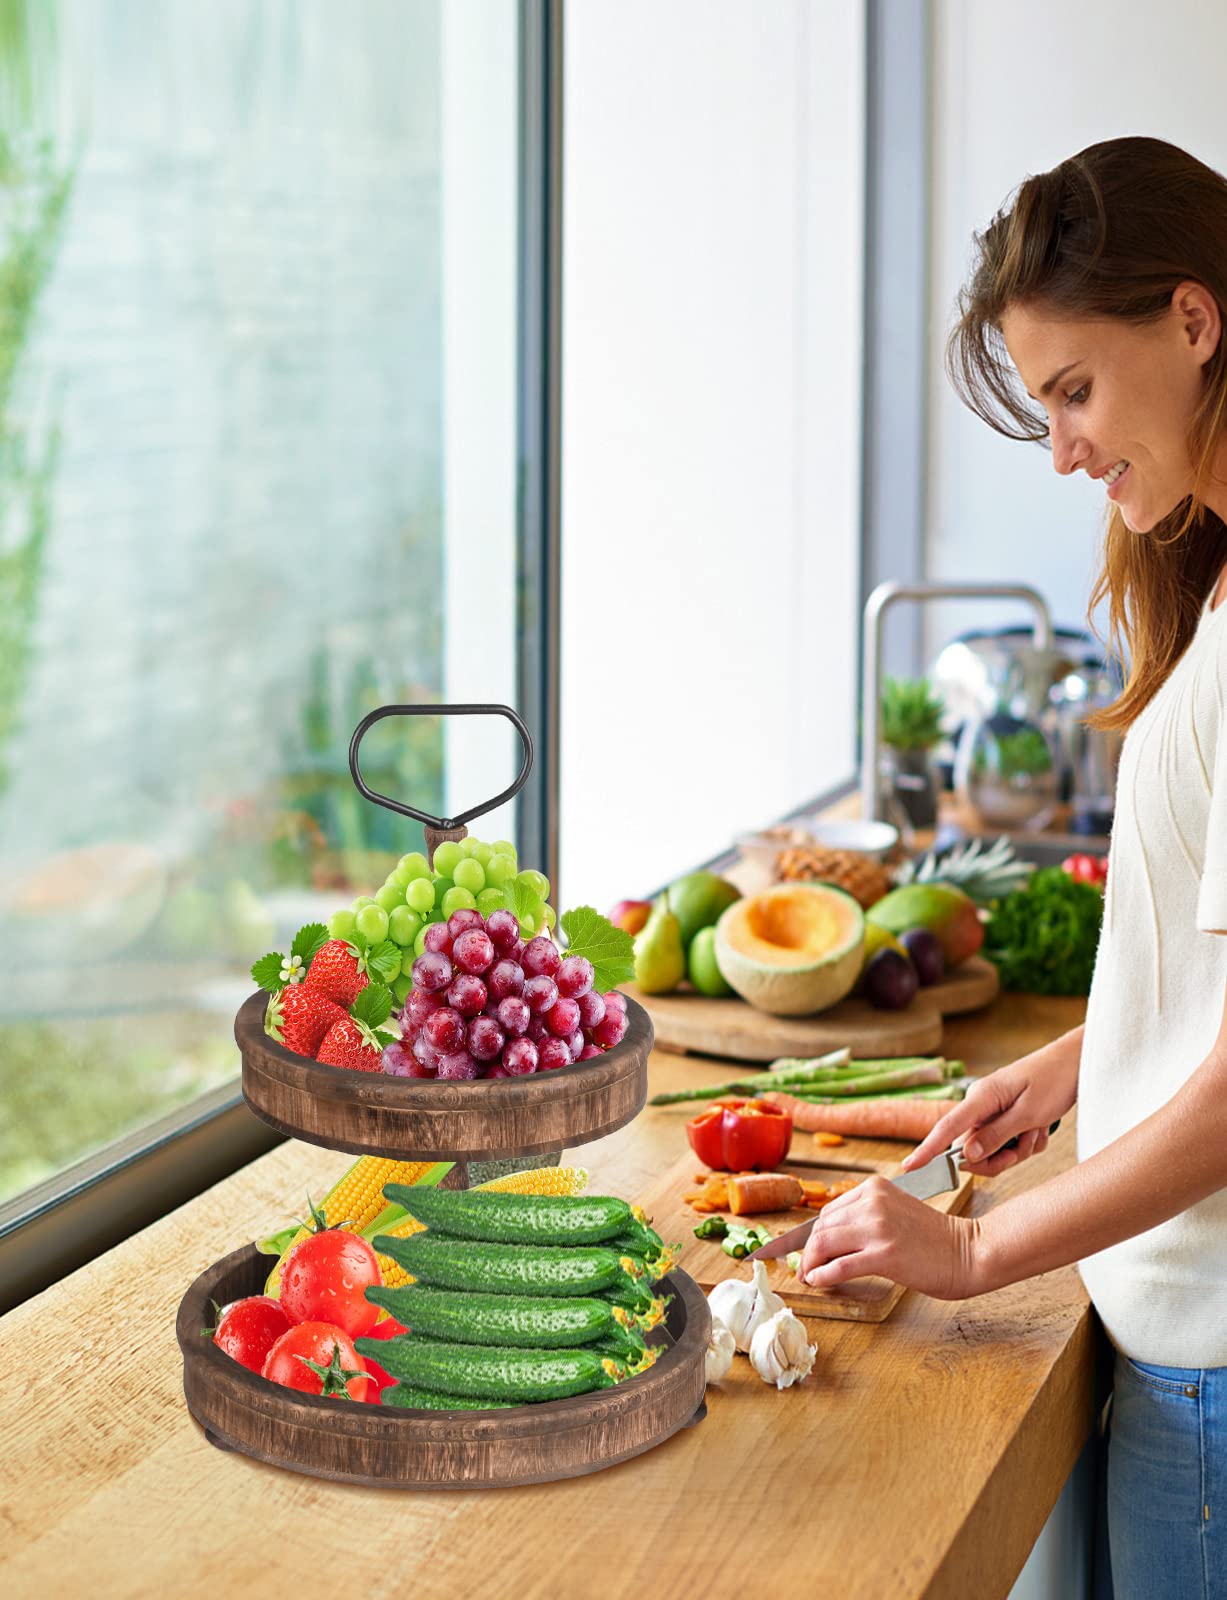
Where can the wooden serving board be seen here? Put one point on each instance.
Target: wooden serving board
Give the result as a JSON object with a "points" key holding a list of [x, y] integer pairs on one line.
{"points": [[973, 983], [862, 1300], [691, 1023]]}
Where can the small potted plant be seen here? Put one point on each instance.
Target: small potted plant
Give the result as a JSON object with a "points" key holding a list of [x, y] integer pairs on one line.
{"points": [[910, 729]]}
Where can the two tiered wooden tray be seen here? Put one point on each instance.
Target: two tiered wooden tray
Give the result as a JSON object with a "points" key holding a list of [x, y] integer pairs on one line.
{"points": [[421, 1119]]}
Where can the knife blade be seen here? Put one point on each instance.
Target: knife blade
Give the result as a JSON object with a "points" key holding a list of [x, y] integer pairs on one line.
{"points": [[935, 1177]]}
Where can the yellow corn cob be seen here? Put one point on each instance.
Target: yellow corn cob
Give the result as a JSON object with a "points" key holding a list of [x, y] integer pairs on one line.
{"points": [[541, 1180], [393, 1274], [355, 1200]]}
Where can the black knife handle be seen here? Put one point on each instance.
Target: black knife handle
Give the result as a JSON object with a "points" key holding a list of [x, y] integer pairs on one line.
{"points": [[1010, 1143]]}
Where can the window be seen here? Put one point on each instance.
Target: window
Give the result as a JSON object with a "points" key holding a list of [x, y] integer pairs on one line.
{"points": [[258, 456], [713, 246]]}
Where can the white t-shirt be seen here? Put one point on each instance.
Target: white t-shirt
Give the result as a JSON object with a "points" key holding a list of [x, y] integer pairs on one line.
{"points": [[1157, 999]]}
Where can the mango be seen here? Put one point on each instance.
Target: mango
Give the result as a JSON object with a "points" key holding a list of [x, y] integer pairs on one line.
{"points": [[940, 907], [697, 901]]}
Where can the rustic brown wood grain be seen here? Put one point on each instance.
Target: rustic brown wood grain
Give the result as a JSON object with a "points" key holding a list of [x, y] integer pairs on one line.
{"points": [[920, 1458], [696, 1024], [863, 1300], [382, 1447], [420, 1119], [732, 1030]]}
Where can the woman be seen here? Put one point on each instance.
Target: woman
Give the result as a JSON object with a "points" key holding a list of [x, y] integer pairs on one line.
{"points": [[1094, 318]]}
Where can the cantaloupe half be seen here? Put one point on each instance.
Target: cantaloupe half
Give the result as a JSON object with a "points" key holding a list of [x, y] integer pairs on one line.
{"points": [[793, 949]]}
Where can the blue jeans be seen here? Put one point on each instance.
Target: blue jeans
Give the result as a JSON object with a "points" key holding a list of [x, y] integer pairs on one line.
{"points": [[1167, 1482]]}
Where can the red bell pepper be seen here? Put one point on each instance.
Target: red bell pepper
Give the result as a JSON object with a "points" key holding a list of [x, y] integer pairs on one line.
{"points": [[741, 1136]]}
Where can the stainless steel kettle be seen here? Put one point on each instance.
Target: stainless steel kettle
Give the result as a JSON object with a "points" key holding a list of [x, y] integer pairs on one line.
{"points": [[986, 675]]}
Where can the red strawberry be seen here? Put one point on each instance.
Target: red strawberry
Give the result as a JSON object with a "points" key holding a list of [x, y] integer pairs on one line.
{"points": [[298, 1018], [351, 1044], [335, 973]]}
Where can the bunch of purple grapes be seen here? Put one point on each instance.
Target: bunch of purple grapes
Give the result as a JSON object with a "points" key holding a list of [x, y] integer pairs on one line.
{"points": [[485, 1004]]}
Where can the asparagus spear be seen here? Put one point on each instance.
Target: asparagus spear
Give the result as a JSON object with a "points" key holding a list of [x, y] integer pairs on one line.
{"points": [[815, 1074], [940, 1091], [871, 1082]]}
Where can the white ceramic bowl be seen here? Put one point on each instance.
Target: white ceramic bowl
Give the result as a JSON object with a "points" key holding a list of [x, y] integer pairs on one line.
{"points": [[874, 839]]}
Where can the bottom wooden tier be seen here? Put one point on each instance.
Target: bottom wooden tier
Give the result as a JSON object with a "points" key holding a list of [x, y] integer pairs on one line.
{"points": [[388, 1448]]}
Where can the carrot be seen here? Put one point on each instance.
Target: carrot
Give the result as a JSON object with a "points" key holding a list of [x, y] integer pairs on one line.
{"points": [[763, 1191], [828, 1139], [909, 1120]]}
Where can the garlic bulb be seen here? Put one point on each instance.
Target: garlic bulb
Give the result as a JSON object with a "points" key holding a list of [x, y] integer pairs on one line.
{"points": [[721, 1349], [780, 1352], [742, 1306]]}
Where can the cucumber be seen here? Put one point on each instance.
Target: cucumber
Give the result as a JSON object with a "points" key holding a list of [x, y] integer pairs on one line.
{"points": [[529, 1321], [426, 1400], [499, 1218], [484, 1372], [520, 1269]]}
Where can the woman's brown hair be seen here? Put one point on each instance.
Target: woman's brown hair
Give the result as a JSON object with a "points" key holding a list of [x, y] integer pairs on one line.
{"points": [[1110, 233]]}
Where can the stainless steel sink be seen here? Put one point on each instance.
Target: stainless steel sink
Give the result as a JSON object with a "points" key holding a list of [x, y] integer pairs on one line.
{"points": [[1044, 849]]}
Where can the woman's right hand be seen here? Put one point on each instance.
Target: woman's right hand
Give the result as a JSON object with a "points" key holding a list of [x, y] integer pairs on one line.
{"points": [[1023, 1100]]}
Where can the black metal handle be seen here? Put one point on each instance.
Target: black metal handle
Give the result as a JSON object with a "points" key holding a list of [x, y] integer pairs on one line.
{"points": [[444, 824], [1010, 1143]]}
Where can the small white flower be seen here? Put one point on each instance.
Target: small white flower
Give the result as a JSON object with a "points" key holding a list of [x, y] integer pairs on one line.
{"points": [[292, 970]]}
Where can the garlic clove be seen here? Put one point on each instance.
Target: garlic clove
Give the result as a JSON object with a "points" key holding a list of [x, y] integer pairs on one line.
{"points": [[721, 1349]]}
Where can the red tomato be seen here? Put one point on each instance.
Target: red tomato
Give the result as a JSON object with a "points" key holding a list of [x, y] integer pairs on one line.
{"points": [[1084, 868], [331, 1349], [248, 1329], [325, 1279], [380, 1379]]}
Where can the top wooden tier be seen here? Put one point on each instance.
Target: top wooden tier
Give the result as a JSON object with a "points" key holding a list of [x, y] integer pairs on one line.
{"points": [[421, 1119]]}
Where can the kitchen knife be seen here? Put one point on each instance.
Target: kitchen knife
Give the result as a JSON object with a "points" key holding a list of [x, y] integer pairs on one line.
{"points": [[935, 1177]]}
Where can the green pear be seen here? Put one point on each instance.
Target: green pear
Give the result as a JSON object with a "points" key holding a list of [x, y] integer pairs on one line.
{"points": [[660, 960]]}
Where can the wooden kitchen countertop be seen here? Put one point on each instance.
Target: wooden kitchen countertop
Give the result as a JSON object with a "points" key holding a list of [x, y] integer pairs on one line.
{"points": [[922, 1456]]}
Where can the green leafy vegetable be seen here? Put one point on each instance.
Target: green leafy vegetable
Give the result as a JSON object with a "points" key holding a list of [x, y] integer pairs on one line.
{"points": [[611, 950], [1043, 938]]}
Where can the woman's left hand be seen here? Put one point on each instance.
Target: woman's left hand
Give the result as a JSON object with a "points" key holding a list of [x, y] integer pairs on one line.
{"points": [[876, 1229]]}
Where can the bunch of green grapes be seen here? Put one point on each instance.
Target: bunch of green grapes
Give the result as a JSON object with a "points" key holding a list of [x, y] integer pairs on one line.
{"points": [[468, 874]]}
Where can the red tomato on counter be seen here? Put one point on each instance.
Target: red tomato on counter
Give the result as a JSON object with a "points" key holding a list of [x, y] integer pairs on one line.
{"points": [[248, 1329], [342, 1369], [741, 1136], [325, 1279]]}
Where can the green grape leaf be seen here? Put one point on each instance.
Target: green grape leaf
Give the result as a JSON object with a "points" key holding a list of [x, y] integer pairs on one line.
{"points": [[308, 940], [526, 904], [372, 1006], [384, 960], [611, 950], [267, 971]]}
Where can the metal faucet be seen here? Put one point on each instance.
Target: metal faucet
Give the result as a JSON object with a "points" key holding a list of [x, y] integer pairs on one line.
{"points": [[871, 661]]}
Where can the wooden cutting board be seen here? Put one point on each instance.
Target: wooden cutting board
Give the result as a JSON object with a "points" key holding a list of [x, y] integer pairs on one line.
{"points": [[862, 1300], [687, 1022]]}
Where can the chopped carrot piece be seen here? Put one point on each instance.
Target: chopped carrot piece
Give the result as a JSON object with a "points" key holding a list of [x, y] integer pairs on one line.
{"points": [[830, 1139]]}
